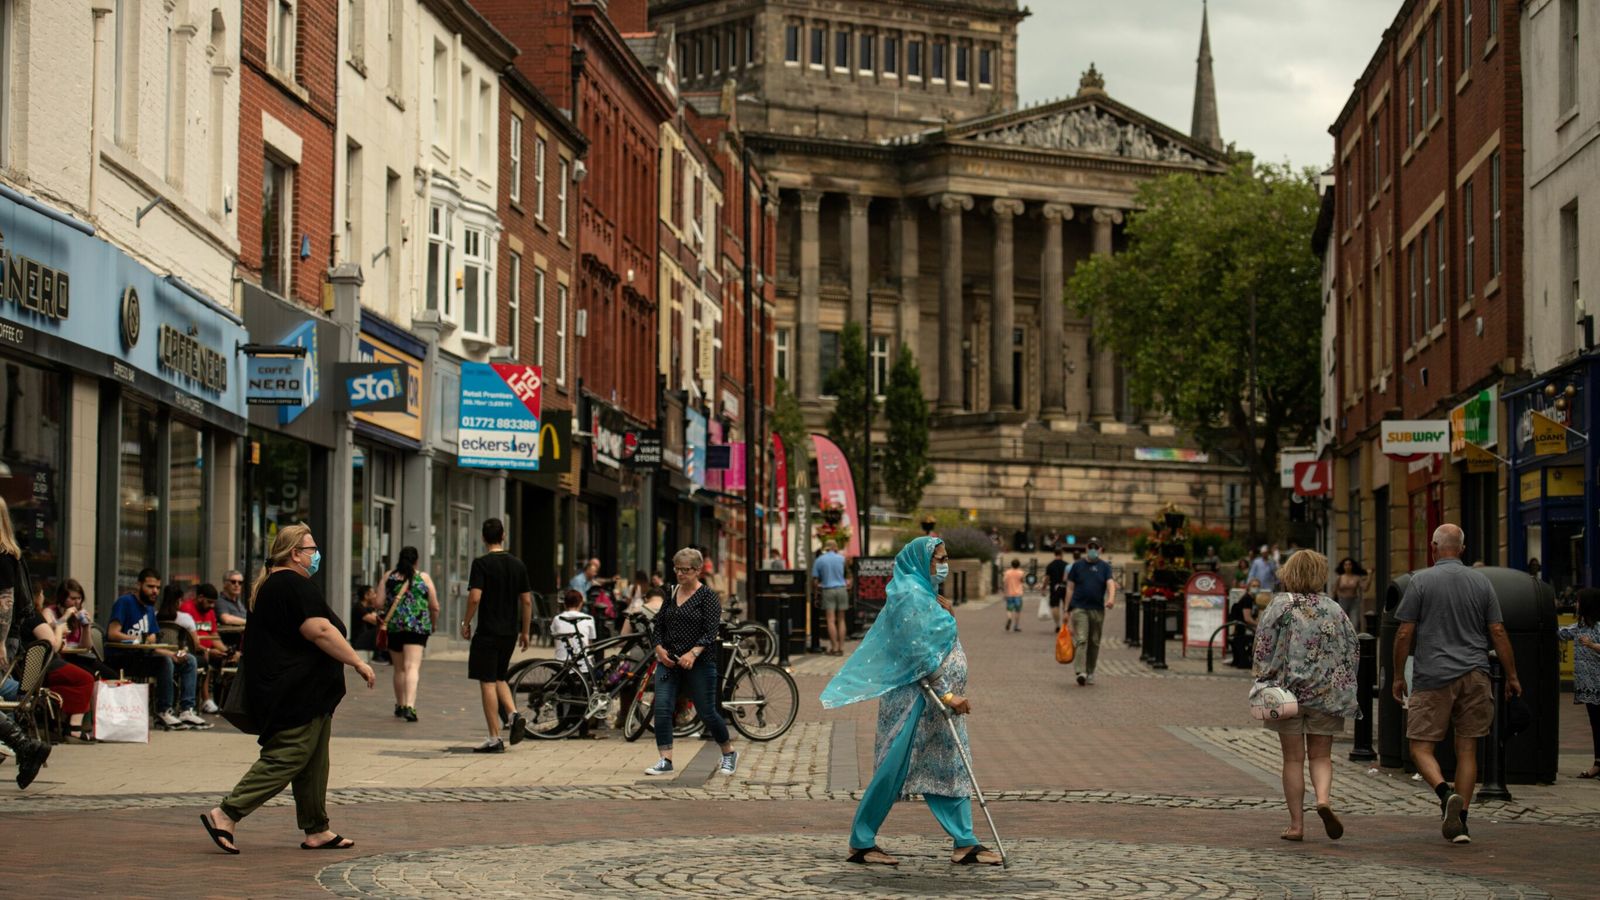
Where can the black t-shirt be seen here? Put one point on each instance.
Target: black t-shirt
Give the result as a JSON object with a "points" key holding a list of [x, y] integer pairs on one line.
{"points": [[1236, 613], [1056, 572], [289, 680], [503, 579]]}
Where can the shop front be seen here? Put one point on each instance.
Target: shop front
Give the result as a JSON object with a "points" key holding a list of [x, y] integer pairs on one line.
{"points": [[611, 502], [1474, 445], [1554, 464], [389, 473], [123, 404], [539, 504]]}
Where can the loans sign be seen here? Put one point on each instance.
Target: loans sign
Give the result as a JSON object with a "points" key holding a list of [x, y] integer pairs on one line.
{"points": [[500, 416]]}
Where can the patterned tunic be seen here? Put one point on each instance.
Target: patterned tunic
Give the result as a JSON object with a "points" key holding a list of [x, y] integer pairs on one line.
{"points": [[936, 766], [1305, 642], [1585, 663]]}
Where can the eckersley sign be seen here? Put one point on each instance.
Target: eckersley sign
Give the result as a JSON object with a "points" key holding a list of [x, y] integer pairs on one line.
{"points": [[1414, 438]]}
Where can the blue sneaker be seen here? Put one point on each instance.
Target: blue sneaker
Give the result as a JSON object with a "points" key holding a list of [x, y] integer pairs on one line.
{"points": [[730, 763], [663, 766]]}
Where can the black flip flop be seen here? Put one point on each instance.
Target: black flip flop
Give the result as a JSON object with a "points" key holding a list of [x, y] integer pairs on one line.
{"points": [[333, 843], [860, 856], [970, 858], [218, 835]]}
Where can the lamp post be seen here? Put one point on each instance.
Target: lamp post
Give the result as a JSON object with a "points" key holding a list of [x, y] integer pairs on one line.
{"points": [[1027, 509]]}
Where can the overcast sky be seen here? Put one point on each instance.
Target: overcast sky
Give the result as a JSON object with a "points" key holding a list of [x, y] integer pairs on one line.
{"points": [[1284, 68]]}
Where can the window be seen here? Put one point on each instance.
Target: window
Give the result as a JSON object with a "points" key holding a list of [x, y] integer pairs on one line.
{"points": [[124, 74], [276, 186], [1437, 32], [962, 53], [563, 177], [464, 117], [827, 357], [1349, 195], [485, 114], [1425, 75], [441, 249], [280, 35], [791, 44], [891, 56], [352, 202], [356, 32], [880, 364], [1411, 99], [1571, 296], [397, 64], [816, 47], [1469, 231], [750, 45], [538, 316], [1568, 29], [477, 310], [731, 40], [514, 307], [1376, 125], [515, 150], [1466, 36], [538, 178], [716, 53], [865, 53], [561, 334], [1440, 258], [914, 60], [174, 112], [941, 52], [1494, 215], [1492, 22], [1427, 281], [1411, 294], [780, 354], [841, 51], [986, 67], [391, 231], [683, 60], [441, 94]]}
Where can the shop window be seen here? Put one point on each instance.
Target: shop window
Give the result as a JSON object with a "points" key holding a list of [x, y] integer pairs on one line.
{"points": [[478, 284], [277, 185], [279, 495], [32, 457], [138, 492], [186, 507]]}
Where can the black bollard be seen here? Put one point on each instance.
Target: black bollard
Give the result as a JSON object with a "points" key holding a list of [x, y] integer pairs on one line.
{"points": [[1494, 747], [1146, 650], [1130, 619], [783, 631], [1159, 646], [1366, 685]]}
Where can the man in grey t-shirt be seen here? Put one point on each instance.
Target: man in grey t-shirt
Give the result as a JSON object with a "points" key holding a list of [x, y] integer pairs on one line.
{"points": [[1451, 614]]}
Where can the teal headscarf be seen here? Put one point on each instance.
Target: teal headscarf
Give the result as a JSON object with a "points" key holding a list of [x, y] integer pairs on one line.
{"points": [[908, 641]]}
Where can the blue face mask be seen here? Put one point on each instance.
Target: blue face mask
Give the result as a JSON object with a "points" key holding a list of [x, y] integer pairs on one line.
{"points": [[941, 572], [1093, 553], [316, 562]]}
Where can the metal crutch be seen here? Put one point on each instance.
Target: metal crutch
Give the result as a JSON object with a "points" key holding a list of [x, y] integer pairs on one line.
{"points": [[950, 720]]}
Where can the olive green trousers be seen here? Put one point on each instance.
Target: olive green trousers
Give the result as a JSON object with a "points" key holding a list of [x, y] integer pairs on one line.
{"points": [[296, 757]]}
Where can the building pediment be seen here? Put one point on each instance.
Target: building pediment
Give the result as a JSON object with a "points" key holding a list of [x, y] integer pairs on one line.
{"points": [[1096, 126]]}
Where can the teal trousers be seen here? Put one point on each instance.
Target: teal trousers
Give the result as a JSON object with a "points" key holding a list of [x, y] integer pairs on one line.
{"points": [[953, 813]]}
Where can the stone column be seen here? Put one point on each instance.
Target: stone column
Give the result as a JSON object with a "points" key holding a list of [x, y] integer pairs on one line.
{"points": [[1104, 401], [806, 338], [952, 321], [1052, 315], [857, 260], [1003, 306], [910, 307]]}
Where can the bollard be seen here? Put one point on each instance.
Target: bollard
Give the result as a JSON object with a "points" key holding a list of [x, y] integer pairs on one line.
{"points": [[1146, 651], [1130, 619], [1494, 747], [1159, 637], [1366, 684], [783, 632]]}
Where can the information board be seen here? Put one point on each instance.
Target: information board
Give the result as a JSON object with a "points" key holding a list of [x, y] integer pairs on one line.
{"points": [[872, 580], [1205, 608]]}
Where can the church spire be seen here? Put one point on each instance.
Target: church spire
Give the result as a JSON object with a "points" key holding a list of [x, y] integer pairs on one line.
{"points": [[1204, 128]]}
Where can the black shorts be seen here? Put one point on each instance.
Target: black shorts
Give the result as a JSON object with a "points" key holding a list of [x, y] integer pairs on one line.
{"points": [[403, 638], [489, 656], [1058, 594]]}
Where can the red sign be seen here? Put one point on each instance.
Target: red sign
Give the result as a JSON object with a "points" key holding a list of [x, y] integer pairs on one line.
{"points": [[525, 382], [780, 475], [1314, 479], [837, 487]]}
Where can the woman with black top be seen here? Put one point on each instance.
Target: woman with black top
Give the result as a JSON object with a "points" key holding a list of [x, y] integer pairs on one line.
{"points": [[687, 626], [294, 653], [413, 615]]}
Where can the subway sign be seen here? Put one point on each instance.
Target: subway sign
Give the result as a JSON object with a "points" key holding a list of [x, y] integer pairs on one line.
{"points": [[1410, 438]]}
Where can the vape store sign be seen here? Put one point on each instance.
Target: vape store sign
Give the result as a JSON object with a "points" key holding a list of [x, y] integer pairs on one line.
{"points": [[499, 416]]}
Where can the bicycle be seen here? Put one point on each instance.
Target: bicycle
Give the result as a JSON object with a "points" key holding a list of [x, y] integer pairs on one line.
{"points": [[758, 641], [557, 696], [760, 700]]}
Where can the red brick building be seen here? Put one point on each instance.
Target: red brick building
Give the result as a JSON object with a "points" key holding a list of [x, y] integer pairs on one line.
{"points": [[288, 95], [1428, 225]]}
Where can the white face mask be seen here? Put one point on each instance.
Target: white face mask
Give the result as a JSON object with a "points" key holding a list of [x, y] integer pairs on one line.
{"points": [[941, 572]]}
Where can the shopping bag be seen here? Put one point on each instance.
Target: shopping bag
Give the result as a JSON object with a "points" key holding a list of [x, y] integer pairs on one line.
{"points": [[122, 712], [1065, 650], [1044, 608], [236, 706]]}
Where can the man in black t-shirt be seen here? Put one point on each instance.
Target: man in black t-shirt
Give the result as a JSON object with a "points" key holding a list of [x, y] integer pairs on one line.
{"points": [[497, 589], [1055, 575]]}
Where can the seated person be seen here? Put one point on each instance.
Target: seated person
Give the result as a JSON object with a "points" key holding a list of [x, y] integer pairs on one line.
{"points": [[213, 652], [66, 614], [133, 621], [1243, 635], [574, 621], [17, 631], [231, 608]]}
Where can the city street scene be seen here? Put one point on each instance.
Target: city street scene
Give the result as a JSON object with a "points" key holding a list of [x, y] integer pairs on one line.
{"points": [[616, 448]]}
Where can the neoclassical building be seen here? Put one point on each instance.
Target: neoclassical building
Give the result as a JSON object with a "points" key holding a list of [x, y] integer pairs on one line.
{"points": [[918, 199]]}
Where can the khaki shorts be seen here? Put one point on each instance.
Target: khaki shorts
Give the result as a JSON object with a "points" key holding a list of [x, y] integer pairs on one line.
{"points": [[835, 598], [1310, 721], [1466, 703]]}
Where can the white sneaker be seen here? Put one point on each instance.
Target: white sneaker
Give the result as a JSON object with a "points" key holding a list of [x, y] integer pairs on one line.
{"points": [[663, 766], [209, 707], [192, 719], [170, 721], [730, 763], [1091, 679]]}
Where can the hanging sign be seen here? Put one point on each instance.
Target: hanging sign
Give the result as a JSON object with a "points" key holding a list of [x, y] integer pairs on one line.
{"points": [[1313, 478], [371, 387], [1479, 460], [275, 380], [641, 449], [500, 405], [1549, 436]]}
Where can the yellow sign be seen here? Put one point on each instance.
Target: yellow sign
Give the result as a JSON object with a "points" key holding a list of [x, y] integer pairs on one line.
{"points": [[408, 423], [1531, 485], [1563, 481], [1549, 436], [1479, 460]]}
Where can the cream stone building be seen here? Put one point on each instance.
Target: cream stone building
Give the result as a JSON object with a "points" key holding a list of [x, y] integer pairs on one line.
{"points": [[913, 186]]}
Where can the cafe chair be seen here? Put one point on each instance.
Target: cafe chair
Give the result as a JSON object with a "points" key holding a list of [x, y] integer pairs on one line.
{"points": [[36, 706]]}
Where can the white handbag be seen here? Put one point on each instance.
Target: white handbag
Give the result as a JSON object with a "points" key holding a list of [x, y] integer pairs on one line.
{"points": [[122, 712], [1270, 702]]}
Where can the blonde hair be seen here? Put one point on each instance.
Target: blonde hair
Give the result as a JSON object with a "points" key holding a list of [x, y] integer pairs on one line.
{"points": [[8, 537], [1306, 572], [283, 546]]}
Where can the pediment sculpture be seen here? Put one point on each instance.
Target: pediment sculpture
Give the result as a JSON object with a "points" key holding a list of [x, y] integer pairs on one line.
{"points": [[1089, 130]]}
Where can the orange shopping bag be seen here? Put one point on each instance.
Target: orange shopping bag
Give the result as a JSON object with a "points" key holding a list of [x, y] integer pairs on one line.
{"points": [[1064, 647]]}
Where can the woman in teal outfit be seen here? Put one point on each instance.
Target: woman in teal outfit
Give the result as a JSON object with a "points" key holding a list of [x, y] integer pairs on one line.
{"points": [[912, 640]]}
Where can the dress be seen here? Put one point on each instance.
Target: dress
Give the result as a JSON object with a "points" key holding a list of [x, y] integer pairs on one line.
{"points": [[1585, 664], [935, 765]]}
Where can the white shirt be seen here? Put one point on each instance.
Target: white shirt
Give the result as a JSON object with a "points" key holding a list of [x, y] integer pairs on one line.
{"points": [[574, 622]]}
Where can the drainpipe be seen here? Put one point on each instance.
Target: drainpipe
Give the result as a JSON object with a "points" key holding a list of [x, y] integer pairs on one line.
{"points": [[100, 9]]}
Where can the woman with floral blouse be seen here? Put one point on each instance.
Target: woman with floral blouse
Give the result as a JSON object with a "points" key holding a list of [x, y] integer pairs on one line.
{"points": [[1585, 635], [1305, 643]]}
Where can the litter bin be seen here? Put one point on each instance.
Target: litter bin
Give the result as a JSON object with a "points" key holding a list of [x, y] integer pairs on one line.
{"points": [[1529, 610], [779, 602]]}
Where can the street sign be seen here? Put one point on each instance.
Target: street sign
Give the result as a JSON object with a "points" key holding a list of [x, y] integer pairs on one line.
{"points": [[1314, 478]]}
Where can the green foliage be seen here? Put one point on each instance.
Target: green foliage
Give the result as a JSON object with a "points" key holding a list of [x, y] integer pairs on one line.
{"points": [[1229, 549], [789, 425], [848, 384], [906, 470], [964, 542], [1208, 262]]}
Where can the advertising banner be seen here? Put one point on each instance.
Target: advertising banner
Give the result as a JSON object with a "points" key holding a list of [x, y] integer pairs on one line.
{"points": [[1549, 436], [695, 434], [872, 581], [500, 405], [734, 478], [780, 477], [837, 488]]}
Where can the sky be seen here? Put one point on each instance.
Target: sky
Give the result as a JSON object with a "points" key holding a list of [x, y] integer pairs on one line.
{"points": [[1284, 68]]}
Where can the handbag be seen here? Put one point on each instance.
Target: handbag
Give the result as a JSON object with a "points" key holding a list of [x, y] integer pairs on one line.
{"points": [[380, 642], [1273, 702], [236, 706], [1065, 648], [1044, 608], [122, 712]]}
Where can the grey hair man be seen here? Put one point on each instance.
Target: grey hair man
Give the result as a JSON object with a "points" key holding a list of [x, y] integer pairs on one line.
{"points": [[1451, 615], [232, 608]]}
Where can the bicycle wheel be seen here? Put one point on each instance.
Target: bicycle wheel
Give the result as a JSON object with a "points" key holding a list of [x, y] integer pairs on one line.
{"points": [[551, 698], [762, 701], [640, 710], [756, 641]]}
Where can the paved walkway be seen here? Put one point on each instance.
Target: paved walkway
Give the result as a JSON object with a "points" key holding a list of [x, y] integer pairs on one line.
{"points": [[1143, 784]]}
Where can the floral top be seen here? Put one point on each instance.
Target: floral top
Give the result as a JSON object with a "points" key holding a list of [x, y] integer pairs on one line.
{"points": [[1305, 642], [1585, 663], [936, 766]]}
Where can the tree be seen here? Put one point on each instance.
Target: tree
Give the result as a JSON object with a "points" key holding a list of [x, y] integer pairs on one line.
{"points": [[1215, 311], [847, 383], [906, 470], [789, 424]]}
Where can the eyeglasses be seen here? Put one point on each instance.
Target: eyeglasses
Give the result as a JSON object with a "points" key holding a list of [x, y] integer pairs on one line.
{"points": [[313, 547], [684, 569], [236, 581]]}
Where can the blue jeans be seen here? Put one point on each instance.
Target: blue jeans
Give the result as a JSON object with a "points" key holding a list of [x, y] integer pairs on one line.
{"points": [[145, 664], [9, 689], [700, 683]]}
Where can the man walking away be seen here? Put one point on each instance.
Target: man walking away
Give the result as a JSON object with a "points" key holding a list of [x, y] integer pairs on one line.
{"points": [[1264, 569], [1012, 579], [1088, 584], [833, 594], [1055, 577], [1451, 614], [497, 590]]}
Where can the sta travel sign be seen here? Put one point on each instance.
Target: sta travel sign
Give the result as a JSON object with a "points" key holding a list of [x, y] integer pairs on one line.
{"points": [[500, 416]]}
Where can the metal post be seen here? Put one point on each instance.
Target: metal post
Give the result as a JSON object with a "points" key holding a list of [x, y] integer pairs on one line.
{"points": [[1494, 748], [1366, 684], [1159, 645], [1147, 609], [752, 549], [1130, 618], [783, 630]]}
